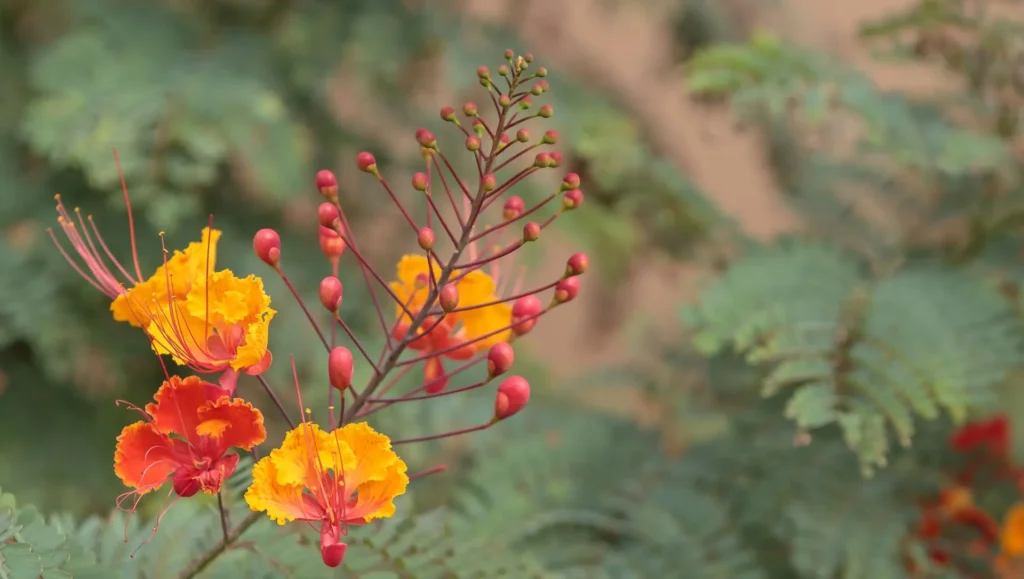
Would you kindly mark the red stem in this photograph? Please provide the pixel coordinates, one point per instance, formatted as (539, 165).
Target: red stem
(478, 428)
(302, 305)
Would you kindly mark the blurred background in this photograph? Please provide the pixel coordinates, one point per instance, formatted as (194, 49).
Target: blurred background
(704, 131)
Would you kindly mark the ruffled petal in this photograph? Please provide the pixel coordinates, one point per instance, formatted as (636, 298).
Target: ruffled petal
(176, 406)
(1012, 535)
(379, 474)
(231, 423)
(281, 502)
(143, 458)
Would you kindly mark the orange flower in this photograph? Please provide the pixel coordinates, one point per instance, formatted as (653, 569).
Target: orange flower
(184, 438)
(1011, 538)
(479, 321)
(347, 477)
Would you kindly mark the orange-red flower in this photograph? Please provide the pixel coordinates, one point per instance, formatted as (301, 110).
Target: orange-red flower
(347, 477)
(184, 438)
(480, 320)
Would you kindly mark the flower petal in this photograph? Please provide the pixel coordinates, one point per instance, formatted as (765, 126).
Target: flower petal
(305, 456)
(143, 457)
(233, 423)
(176, 406)
(281, 502)
(379, 474)
(1012, 536)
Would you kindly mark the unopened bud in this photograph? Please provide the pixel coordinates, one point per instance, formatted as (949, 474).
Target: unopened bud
(572, 199)
(503, 70)
(546, 111)
(525, 313)
(472, 143)
(331, 244)
(489, 183)
(327, 183)
(567, 290)
(525, 103)
(577, 264)
(541, 72)
(366, 163)
(425, 237)
(327, 213)
(333, 554)
(426, 139)
(420, 181)
(331, 292)
(556, 158)
(448, 114)
(448, 297)
(478, 127)
(531, 231)
(185, 483)
(267, 246)
(514, 207)
(504, 139)
(469, 109)
(504, 101)
(340, 367)
(499, 359)
(522, 135)
(513, 394)
(482, 72)
(550, 137)
(542, 160)
(509, 54)
(528, 57)
(570, 181)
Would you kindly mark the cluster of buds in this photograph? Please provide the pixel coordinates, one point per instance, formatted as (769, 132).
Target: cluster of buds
(952, 525)
(451, 307)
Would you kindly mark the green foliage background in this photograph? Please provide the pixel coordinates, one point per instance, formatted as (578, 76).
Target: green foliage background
(869, 340)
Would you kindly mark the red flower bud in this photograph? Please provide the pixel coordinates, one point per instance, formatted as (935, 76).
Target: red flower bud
(504, 139)
(522, 135)
(426, 139)
(489, 183)
(546, 112)
(513, 394)
(331, 244)
(556, 158)
(185, 484)
(504, 101)
(550, 137)
(267, 246)
(528, 57)
(472, 143)
(537, 89)
(503, 70)
(333, 554)
(420, 181)
(542, 160)
(326, 183)
(340, 367)
(366, 162)
(576, 264)
(525, 103)
(449, 297)
(525, 313)
(570, 181)
(541, 72)
(509, 54)
(478, 127)
(514, 207)
(499, 359)
(531, 231)
(330, 293)
(572, 199)
(567, 289)
(483, 72)
(447, 114)
(327, 213)
(425, 238)
(469, 109)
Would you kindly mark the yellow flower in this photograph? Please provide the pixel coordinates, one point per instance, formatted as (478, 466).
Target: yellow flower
(350, 476)
(475, 289)
(222, 322)
(178, 275)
